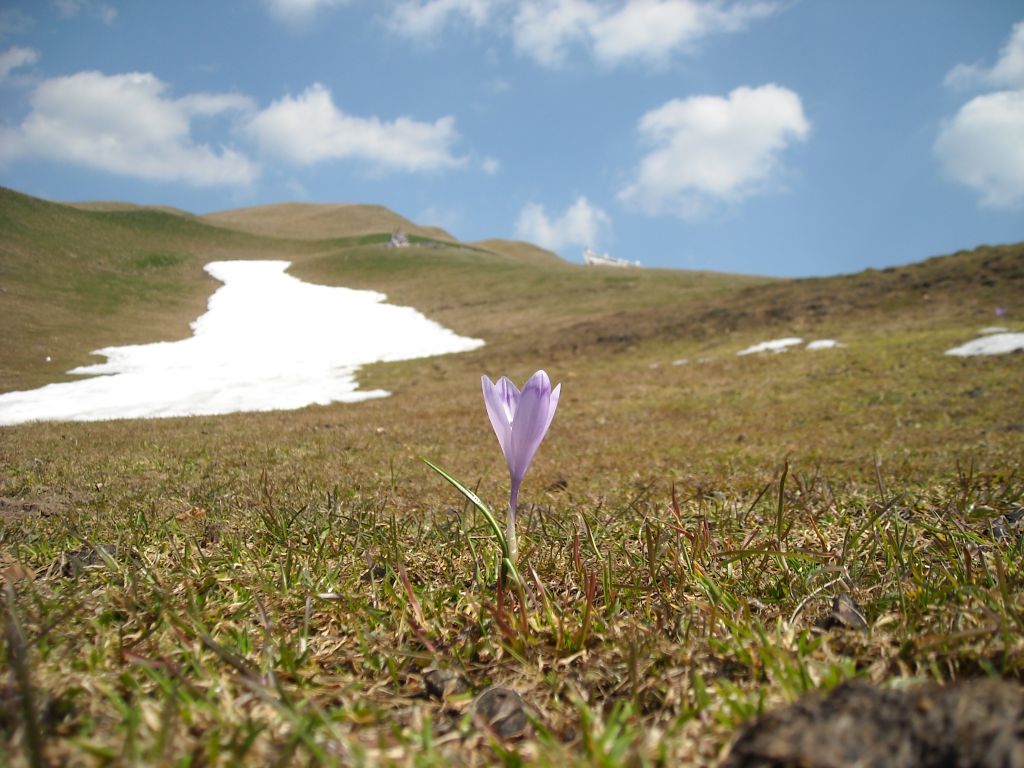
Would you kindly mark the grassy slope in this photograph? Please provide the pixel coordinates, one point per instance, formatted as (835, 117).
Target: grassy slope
(319, 221)
(212, 630)
(519, 250)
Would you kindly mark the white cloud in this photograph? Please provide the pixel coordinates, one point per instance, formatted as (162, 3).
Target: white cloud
(614, 32)
(652, 30)
(649, 31)
(709, 149)
(424, 19)
(102, 11)
(299, 11)
(1008, 71)
(582, 224)
(544, 29)
(309, 128)
(983, 147)
(16, 57)
(126, 125)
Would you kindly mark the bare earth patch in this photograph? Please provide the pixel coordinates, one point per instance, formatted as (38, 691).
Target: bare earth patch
(978, 723)
(14, 508)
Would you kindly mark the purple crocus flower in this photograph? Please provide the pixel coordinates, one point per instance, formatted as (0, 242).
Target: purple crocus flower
(520, 420)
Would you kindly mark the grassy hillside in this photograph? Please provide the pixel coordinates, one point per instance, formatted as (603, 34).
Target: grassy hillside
(118, 205)
(519, 250)
(317, 221)
(282, 587)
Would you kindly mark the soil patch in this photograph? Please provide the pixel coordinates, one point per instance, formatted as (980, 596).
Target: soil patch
(15, 508)
(977, 724)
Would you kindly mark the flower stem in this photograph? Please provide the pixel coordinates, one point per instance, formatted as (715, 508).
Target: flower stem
(510, 535)
(510, 529)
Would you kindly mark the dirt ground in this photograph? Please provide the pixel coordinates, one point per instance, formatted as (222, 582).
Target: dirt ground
(977, 724)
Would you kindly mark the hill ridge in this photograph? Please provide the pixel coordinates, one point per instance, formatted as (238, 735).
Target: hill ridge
(320, 221)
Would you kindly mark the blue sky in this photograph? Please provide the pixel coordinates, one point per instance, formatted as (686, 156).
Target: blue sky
(782, 137)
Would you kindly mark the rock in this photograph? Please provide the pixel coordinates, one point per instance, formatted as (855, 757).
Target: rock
(442, 683)
(846, 613)
(977, 724)
(502, 711)
(1007, 527)
(75, 562)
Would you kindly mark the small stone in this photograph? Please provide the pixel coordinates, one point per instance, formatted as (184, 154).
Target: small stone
(442, 683)
(846, 613)
(211, 533)
(503, 711)
(559, 485)
(74, 562)
(1004, 526)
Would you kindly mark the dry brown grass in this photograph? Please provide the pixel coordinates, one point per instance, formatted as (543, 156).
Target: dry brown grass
(117, 205)
(528, 253)
(319, 221)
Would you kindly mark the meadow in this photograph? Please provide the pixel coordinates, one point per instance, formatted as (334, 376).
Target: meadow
(299, 587)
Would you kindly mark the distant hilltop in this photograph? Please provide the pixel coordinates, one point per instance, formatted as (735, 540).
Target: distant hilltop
(594, 259)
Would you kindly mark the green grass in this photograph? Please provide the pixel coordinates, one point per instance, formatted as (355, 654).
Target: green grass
(282, 581)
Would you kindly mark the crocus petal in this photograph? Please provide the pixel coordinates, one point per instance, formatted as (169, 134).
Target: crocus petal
(496, 402)
(509, 395)
(552, 405)
(530, 424)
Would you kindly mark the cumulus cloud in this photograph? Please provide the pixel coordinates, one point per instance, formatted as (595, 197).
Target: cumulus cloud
(708, 149)
(652, 30)
(127, 125)
(613, 32)
(544, 30)
(582, 224)
(298, 11)
(647, 31)
(309, 128)
(424, 19)
(1007, 72)
(982, 145)
(15, 57)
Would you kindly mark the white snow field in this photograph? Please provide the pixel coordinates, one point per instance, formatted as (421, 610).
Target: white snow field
(268, 341)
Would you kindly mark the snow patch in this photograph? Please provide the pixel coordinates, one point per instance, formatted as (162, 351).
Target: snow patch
(825, 344)
(268, 341)
(775, 345)
(781, 345)
(993, 344)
